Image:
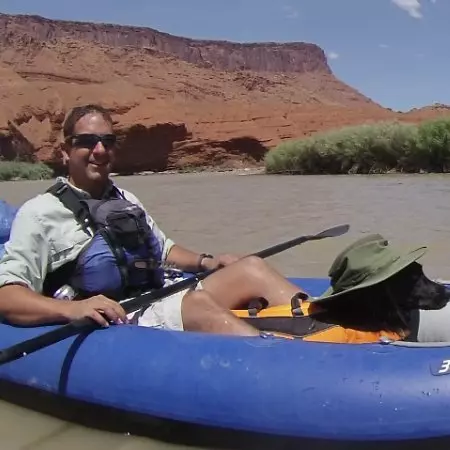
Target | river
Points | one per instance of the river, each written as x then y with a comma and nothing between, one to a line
238,213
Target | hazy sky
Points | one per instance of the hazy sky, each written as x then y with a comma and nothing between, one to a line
394,51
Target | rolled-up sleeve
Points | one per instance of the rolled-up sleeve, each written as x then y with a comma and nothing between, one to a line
26,252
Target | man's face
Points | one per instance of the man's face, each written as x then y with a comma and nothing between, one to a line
90,153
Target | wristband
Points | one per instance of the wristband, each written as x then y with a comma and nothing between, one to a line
202,257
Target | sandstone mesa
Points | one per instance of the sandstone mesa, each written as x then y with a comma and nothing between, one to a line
178,102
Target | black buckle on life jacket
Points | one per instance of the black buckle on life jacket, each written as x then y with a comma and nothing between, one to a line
296,304
59,188
256,305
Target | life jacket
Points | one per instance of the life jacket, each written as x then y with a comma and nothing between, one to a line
307,321
123,257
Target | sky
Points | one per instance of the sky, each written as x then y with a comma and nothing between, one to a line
396,52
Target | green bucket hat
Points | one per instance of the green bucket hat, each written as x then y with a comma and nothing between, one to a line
366,262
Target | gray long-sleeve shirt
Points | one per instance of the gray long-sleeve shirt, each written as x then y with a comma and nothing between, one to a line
45,235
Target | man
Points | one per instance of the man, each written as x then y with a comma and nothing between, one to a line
51,241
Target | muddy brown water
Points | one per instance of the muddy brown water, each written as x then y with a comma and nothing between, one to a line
239,213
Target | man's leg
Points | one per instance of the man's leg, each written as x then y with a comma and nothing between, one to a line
200,312
234,286
194,310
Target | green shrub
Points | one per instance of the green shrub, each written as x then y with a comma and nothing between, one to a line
434,142
378,148
10,170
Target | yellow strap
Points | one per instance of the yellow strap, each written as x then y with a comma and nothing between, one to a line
334,333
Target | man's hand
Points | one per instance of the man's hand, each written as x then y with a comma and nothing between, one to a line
219,261
94,307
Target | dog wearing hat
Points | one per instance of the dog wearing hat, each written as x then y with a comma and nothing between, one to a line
374,286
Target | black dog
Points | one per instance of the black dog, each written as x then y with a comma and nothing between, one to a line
389,305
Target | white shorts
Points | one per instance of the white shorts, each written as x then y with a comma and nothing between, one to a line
166,313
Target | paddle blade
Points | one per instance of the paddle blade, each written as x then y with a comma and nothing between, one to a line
331,232
334,232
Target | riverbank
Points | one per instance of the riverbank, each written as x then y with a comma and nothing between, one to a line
22,171
386,147
211,170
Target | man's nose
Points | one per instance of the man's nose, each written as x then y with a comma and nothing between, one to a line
99,148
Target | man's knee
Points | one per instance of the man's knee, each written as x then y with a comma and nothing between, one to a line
197,299
196,303
254,265
197,308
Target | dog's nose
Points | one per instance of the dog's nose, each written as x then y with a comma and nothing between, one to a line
442,296
447,292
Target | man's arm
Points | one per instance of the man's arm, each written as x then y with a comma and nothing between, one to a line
22,271
20,305
189,261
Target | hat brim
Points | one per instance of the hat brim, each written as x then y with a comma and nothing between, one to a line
395,267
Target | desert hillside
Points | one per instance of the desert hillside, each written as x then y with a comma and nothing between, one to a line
177,102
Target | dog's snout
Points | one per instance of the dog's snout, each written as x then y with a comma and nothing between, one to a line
431,295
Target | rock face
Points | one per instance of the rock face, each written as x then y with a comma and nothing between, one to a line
178,103
270,57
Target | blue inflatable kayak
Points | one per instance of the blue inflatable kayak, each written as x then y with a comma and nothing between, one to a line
7,214
231,392
268,389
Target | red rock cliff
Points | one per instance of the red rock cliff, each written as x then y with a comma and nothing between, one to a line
177,102
266,57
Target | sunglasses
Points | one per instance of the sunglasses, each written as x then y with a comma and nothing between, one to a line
87,140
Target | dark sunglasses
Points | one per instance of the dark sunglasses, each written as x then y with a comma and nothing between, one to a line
87,140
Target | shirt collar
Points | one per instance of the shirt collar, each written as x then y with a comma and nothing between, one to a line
108,190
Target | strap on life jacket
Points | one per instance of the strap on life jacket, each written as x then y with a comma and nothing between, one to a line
307,321
294,320
81,212
71,201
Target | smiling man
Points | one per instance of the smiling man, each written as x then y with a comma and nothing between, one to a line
87,233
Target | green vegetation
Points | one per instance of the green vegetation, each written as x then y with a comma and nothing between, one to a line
12,170
379,148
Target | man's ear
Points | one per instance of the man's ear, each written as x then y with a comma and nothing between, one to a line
65,152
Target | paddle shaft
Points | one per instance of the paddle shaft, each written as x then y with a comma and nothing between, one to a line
130,305
86,324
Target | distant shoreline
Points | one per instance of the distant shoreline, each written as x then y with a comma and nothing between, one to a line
240,171
237,171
